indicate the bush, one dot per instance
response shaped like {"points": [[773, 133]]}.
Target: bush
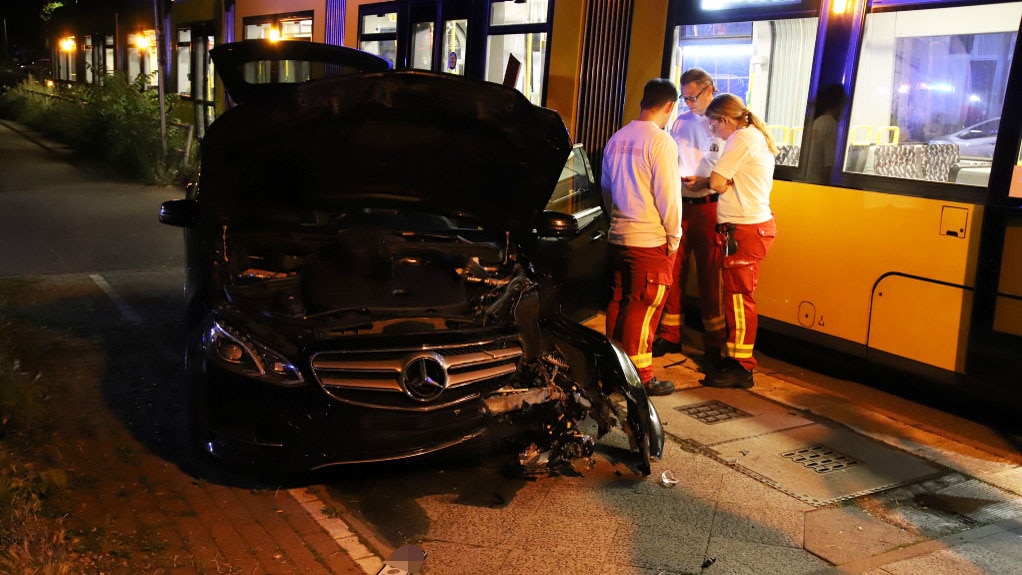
{"points": [[117, 122]]}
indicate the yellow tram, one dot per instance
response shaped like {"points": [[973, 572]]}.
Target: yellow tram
{"points": [[910, 253]]}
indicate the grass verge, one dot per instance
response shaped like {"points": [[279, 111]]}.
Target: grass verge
{"points": [[32, 537]]}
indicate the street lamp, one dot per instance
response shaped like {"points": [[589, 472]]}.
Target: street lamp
{"points": [[142, 42]]}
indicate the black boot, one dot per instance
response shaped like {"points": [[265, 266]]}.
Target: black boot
{"points": [[662, 347], [730, 373]]}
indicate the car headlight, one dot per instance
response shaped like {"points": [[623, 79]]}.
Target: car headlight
{"points": [[234, 351]]}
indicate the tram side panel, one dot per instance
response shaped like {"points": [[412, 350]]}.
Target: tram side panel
{"points": [[886, 272]]}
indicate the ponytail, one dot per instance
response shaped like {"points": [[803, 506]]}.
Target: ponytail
{"points": [[754, 120]]}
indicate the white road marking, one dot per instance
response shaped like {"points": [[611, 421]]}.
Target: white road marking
{"points": [[131, 316], [125, 309]]}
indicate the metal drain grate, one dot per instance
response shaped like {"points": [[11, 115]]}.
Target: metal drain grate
{"points": [[712, 412], [821, 459]]}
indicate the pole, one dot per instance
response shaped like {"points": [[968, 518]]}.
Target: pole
{"points": [[159, 75]]}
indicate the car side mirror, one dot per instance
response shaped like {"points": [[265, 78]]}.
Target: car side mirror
{"points": [[181, 213], [556, 225]]}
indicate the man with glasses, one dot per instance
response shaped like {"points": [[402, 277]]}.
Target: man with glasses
{"points": [[698, 150]]}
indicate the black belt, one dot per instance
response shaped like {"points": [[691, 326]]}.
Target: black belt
{"points": [[700, 200]]}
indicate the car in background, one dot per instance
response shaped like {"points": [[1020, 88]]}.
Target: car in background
{"points": [[976, 141], [385, 264]]}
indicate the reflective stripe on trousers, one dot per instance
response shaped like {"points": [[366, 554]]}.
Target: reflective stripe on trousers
{"points": [[640, 282], [739, 276]]}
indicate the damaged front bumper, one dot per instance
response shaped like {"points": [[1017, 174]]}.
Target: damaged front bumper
{"points": [[588, 376]]}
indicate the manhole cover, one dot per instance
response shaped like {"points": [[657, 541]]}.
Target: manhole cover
{"points": [[712, 412], [821, 459]]}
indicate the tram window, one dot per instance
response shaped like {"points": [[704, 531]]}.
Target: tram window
{"points": [[386, 49], [378, 33], [767, 63], [506, 12], [380, 23], [929, 92], [455, 41], [530, 50], [422, 45], [519, 29]]}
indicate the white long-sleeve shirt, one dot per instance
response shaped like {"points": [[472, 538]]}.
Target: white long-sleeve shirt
{"points": [[642, 187]]}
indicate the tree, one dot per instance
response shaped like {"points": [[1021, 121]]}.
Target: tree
{"points": [[47, 10]]}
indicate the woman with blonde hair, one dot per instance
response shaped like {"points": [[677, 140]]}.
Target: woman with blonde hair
{"points": [[745, 228]]}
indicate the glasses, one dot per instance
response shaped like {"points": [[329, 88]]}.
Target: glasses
{"points": [[691, 99]]}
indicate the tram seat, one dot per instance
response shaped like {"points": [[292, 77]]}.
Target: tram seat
{"points": [[787, 155], [931, 162], [856, 156]]}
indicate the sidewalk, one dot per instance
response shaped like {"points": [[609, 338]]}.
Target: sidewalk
{"points": [[960, 513], [786, 478]]}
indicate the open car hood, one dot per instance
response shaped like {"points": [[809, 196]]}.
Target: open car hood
{"points": [[252, 69], [394, 139]]}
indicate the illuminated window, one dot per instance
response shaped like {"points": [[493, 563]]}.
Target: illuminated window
{"points": [[108, 55], [929, 92], [519, 29], [422, 45], [67, 59], [184, 61], [766, 63], [89, 66], [279, 27], [377, 31], [508, 12], [712, 5], [455, 42], [142, 57]]}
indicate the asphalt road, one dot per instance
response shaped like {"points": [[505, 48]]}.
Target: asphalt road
{"points": [[92, 287], [61, 217]]}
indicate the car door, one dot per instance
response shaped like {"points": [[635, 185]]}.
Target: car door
{"points": [[572, 240]]}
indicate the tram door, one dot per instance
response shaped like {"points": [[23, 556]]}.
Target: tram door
{"points": [[995, 346], [439, 35]]}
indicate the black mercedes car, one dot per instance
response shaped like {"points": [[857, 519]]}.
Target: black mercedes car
{"points": [[386, 264]]}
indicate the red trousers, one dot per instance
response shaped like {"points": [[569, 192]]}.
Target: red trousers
{"points": [[739, 276], [698, 244], [641, 278]]}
